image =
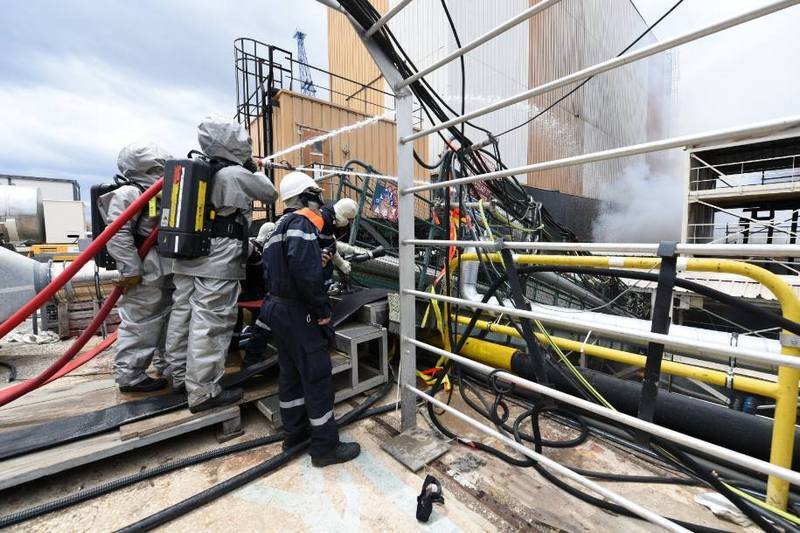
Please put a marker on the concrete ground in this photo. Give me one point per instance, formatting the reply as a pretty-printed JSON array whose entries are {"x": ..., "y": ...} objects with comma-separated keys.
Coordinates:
[{"x": 372, "y": 493}]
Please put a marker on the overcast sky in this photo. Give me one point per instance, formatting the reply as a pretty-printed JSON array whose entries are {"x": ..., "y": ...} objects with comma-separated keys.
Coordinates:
[
  {"x": 744, "y": 74},
  {"x": 81, "y": 78}
]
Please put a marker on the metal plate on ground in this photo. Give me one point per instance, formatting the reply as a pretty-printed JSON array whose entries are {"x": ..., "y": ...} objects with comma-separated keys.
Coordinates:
[{"x": 416, "y": 447}]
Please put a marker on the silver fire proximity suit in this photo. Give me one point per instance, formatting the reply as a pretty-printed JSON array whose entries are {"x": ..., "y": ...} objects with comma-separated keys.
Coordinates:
[
  {"x": 207, "y": 288},
  {"x": 144, "y": 308}
]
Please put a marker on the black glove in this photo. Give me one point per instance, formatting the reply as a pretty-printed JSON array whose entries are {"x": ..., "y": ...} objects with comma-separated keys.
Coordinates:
[{"x": 431, "y": 493}]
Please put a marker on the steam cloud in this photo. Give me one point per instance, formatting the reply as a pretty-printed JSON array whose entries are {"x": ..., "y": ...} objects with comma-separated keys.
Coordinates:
[{"x": 640, "y": 206}]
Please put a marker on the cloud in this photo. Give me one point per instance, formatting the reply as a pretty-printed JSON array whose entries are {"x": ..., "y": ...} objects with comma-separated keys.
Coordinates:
[
  {"x": 83, "y": 78},
  {"x": 97, "y": 109}
]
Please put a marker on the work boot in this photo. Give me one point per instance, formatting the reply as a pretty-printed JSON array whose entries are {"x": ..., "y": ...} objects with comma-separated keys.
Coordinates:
[
  {"x": 226, "y": 397},
  {"x": 290, "y": 441},
  {"x": 178, "y": 389},
  {"x": 344, "y": 451},
  {"x": 148, "y": 384}
]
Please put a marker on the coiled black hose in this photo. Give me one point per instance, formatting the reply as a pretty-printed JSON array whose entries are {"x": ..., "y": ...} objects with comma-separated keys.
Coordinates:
[
  {"x": 210, "y": 494},
  {"x": 116, "y": 484}
]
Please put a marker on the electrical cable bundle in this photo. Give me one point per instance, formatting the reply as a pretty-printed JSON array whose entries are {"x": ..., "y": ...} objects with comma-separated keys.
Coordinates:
[{"x": 511, "y": 213}]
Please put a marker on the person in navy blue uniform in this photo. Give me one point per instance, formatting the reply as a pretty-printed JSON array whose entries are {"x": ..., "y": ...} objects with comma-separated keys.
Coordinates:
[{"x": 298, "y": 313}]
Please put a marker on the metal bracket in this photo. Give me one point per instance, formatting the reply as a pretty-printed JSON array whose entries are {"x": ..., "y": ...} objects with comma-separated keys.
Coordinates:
[
  {"x": 667, "y": 250},
  {"x": 790, "y": 340}
]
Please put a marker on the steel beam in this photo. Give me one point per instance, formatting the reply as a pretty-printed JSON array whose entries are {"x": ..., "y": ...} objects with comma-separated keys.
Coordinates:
[
  {"x": 720, "y": 250},
  {"x": 381, "y": 22},
  {"x": 616, "y": 332}
]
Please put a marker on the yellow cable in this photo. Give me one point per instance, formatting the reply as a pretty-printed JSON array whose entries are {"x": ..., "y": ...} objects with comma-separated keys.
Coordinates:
[
  {"x": 440, "y": 324},
  {"x": 752, "y": 499},
  {"x": 588, "y": 386},
  {"x": 485, "y": 222}
]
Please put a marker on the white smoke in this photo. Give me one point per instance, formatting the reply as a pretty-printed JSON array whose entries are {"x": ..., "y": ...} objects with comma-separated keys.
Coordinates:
[{"x": 640, "y": 206}]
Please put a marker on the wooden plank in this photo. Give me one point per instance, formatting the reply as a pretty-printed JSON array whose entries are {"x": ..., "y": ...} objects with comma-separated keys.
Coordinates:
[
  {"x": 148, "y": 426},
  {"x": 36, "y": 465}
]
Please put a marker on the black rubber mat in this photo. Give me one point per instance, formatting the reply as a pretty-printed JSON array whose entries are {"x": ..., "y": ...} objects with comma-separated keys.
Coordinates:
[
  {"x": 351, "y": 303},
  {"x": 41, "y": 436},
  {"x": 64, "y": 430}
]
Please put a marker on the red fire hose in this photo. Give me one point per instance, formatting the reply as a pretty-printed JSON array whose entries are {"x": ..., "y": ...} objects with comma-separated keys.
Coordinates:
[
  {"x": 84, "y": 257},
  {"x": 84, "y": 358},
  {"x": 12, "y": 393}
]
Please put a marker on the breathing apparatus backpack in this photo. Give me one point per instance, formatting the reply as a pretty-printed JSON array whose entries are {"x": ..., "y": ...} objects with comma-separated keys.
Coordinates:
[
  {"x": 103, "y": 259},
  {"x": 188, "y": 219}
]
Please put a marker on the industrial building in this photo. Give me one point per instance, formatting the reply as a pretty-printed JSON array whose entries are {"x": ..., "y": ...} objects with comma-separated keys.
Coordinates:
[{"x": 638, "y": 99}]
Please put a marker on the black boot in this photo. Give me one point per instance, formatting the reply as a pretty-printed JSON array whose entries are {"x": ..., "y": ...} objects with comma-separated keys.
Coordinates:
[
  {"x": 290, "y": 441},
  {"x": 344, "y": 451},
  {"x": 178, "y": 389},
  {"x": 148, "y": 384},
  {"x": 226, "y": 397}
]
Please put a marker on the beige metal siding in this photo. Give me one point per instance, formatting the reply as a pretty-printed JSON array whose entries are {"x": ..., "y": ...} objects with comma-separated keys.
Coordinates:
[
  {"x": 298, "y": 118},
  {"x": 348, "y": 57}
]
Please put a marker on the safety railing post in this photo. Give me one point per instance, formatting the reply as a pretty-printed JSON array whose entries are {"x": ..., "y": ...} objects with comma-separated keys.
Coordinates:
[{"x": 405, "y": 178}]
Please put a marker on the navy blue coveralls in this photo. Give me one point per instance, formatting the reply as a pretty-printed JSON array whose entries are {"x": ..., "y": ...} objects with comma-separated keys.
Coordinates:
[{"x": 297, "y": 299}]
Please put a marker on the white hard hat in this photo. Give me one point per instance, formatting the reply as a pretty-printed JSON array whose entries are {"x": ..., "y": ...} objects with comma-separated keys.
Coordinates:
[
  {"x": 345, "y": 210},
  {"x": 295, "y": 183}
]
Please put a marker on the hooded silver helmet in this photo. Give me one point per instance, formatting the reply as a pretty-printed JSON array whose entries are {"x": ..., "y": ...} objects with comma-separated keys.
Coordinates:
[
  {"x": 225, "y": 139},
  {"x": 142, "y": 163}
]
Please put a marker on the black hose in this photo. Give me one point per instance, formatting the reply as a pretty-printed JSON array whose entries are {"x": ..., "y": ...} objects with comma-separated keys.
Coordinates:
[
  {"x": 210, "y": 494},
  {"x": 744, "y": 506},
  {"x": 580, "y": 494},
  {"x": 116, "y": 484},
  {"x": 12, "y": 371}
]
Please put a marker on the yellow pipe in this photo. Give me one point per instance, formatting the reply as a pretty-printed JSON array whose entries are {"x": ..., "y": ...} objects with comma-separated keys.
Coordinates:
[
  {"x": 713, "y": 377},
  {"x": 488, "y": 353},
  {"x": 787, "y": 388}
]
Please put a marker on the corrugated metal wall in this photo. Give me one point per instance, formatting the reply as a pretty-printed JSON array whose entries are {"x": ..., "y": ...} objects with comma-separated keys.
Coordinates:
[
  {"x": 611, "y": 110},
  {"x": 494, "y": 71},
  {"x": 625, "y": 106},
  {"x": 297, "y": 118},
  {"x": 347, "y": 57}
]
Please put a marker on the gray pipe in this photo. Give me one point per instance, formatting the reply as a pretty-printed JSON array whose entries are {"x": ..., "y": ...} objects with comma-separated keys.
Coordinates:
[{"x": 23, "y": 277}]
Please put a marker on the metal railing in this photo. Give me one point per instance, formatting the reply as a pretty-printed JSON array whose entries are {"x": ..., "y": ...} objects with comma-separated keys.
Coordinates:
[
  {"x": 767, "y": 171},
  {"x": 743, "y": 232},
  {"x": 263, "y": 69},
  {"x": 779, "y": 467}
]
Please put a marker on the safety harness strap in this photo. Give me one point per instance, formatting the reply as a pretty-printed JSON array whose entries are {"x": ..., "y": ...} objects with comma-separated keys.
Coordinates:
[{"x": 227, "y": 226}]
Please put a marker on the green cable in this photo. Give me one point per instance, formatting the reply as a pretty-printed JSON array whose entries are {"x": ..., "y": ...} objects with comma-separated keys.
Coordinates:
[{"x": 564, "y": 359}]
